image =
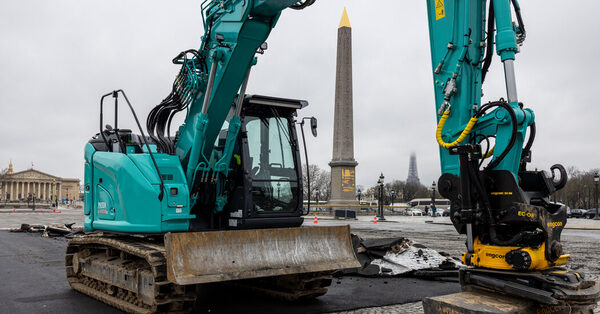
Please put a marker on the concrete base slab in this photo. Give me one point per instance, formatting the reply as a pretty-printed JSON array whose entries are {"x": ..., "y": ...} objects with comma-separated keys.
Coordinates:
[{"x": 481, "y": 302}]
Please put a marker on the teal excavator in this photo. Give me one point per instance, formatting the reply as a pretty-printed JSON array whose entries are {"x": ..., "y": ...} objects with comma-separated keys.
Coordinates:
[
  {"x": 218, "y": 200},
  {"x": 512, "y": 227}
]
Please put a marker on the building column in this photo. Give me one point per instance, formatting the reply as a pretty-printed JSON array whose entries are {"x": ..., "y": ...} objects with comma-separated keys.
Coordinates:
[
  {"x": 59, "y": 191},
  {"x": 12, "y": 194},
  {"x": 43, "y": 191}
]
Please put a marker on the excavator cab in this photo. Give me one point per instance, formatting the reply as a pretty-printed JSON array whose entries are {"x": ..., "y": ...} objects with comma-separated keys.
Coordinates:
[{"x": 265, "y": 184}]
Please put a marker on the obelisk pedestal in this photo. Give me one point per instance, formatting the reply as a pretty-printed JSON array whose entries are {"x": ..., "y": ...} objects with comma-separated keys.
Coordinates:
[{"x": 343, "y": 187}]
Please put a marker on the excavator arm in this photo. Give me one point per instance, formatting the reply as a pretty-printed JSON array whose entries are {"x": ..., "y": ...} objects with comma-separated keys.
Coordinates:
[
  {"x": 207, "y": 85},
  {"x": 505, "y": 210},
  {"x": 462, "y": 43}
]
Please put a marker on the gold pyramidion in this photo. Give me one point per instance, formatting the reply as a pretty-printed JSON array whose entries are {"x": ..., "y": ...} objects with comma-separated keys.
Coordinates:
[{"x": 345, "y": 22}]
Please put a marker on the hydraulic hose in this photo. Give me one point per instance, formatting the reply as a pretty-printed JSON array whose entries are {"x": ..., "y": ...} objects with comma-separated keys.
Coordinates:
[
  {"x": 531, "y": 138},
  {"x": 513, "y": 136},
  {"x": 501, "y": 103},
  {"x": 489, "y": 52},
  {"x": 463, "y": 135}
]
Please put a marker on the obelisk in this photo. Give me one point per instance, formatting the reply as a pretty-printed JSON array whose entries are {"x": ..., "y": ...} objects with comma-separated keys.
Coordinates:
[{"x": 343, "y": 187}]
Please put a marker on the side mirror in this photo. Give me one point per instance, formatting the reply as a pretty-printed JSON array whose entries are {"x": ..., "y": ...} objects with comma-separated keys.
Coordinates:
[
  {"x": 264, "y": 46},
  {"x": 108, "y": 127},
  {"x": 313, "y": 126}
]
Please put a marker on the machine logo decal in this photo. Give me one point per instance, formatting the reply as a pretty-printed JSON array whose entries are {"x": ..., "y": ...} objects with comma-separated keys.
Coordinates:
[
  {"x": 494, "y": 255},
  {"x": 555, "y": 224},
  {"x": 440, "y": 10},
  {"x": 526, "y": 214}
]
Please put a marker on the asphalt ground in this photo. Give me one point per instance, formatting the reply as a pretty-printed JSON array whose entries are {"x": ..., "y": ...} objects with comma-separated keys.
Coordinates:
[{"x": 33, "y": 279}]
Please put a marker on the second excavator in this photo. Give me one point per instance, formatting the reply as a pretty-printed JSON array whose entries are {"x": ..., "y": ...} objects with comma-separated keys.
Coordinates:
[{"x": 513, "y": 228}]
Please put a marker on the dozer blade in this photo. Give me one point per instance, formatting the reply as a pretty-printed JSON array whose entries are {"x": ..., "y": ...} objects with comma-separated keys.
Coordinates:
[{"x": 202, "y": 257}]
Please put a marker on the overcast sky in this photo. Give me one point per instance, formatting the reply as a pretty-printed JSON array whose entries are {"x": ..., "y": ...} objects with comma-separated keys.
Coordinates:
[{"x": 58, "y": 57}]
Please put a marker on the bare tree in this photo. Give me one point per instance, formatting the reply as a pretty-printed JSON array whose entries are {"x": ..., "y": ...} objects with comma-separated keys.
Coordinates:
[
  {"x": 320, "y": 180},
  {"x": 579, "y": 191}
]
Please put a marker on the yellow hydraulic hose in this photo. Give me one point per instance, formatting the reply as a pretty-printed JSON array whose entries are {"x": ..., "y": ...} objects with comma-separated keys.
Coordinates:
[
  {"x": 462, "y": 136},
  {"x": 490, "y": 153}
]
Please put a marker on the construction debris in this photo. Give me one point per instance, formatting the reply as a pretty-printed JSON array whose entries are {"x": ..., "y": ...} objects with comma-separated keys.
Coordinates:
[
  {"x": 400, "y": 257},
  {"x": 55, "y": 230}
]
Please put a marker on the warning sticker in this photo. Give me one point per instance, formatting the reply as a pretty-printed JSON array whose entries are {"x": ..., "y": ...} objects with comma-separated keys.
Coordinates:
[{"x": 440, "y": 10}]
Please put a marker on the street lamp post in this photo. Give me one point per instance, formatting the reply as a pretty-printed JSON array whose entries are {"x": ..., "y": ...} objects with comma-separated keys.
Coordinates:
[
  {"x": 317, "y": 193},
  {"x": 433, "y": 189},
  {"x": 596, "y": 179},
  {"x": 393, "y": 193},
  {"x": 380, "y": 203},
  {"x": 589, "y": 197}
]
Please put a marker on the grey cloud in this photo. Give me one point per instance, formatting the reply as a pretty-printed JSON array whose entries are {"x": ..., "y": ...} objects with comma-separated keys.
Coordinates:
[{"x": 58, "y": 57}]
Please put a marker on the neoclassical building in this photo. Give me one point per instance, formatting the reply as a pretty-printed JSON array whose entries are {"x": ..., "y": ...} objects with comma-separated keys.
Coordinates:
[{"x": 16, "y": 186}]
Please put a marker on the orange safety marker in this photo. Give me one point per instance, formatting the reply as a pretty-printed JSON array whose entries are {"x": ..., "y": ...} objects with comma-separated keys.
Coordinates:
[
  {"x": 375, "y": 219},
  {"x": 54, "y": 210},
  {"x": 316, "y": 221},
  {"x": 14, "y": 210}
]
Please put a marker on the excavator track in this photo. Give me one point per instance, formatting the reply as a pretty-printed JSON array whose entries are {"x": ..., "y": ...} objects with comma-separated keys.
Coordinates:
[
  {"x": 126, "y": 273},
  {"x": 129, "y": 273},
  {"x": 289, "y": 287}
]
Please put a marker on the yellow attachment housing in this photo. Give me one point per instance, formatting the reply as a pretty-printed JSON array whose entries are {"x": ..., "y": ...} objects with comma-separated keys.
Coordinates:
[
  {"x": 490, "y": 256},
  {"x": 462, "y": 136}
]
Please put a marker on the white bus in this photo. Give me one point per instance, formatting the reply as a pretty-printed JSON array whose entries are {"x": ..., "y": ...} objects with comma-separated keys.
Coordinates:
[{"x": 420, "y": 203}]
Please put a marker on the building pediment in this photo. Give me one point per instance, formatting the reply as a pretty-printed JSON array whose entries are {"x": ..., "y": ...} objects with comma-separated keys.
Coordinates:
[{"x": 32, "y": 174}]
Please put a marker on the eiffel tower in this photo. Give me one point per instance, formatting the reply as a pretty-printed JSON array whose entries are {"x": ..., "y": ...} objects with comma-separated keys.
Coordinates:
[{"x": 413, "y": 175}]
